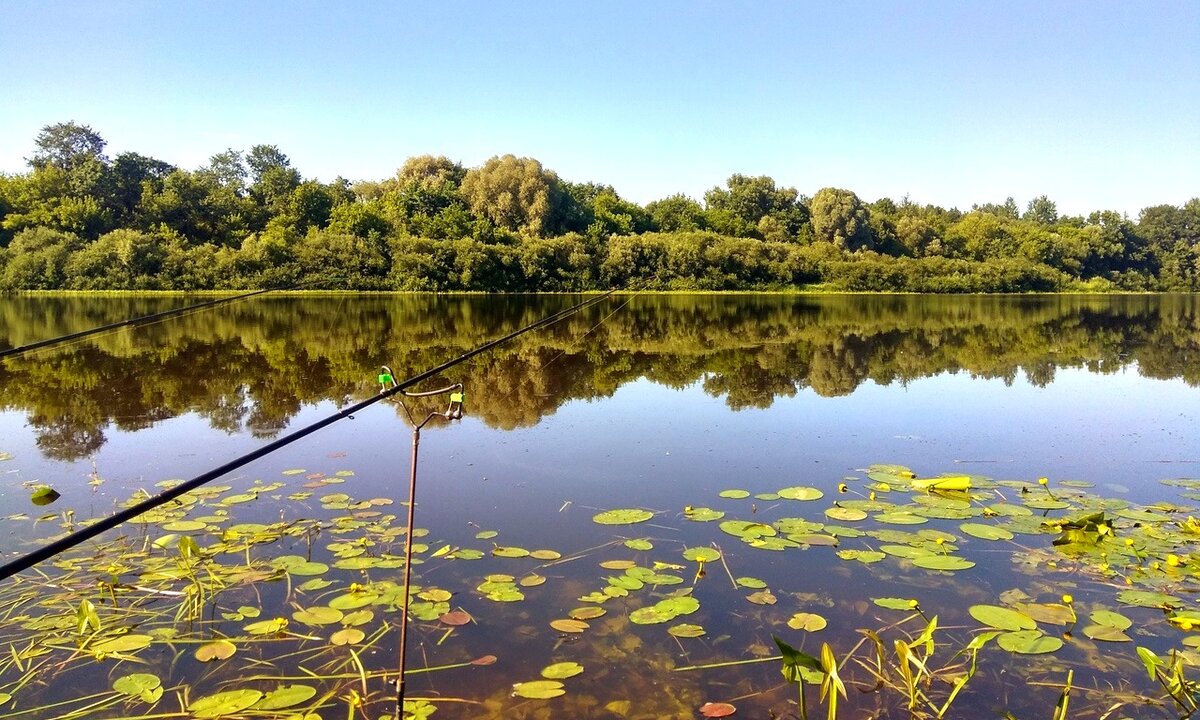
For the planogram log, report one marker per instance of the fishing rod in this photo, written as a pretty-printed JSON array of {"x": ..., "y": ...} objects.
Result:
[
  {"x": 143, "y": 320},
  {"x": 80, "y": 536}
]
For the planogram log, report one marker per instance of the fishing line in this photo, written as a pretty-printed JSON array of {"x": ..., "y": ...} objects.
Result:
[{"x": 80, "y": 536}]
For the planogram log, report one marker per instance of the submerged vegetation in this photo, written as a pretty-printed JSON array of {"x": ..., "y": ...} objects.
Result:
[
  {"x": 1027, "y": 597},
  {"x": 80, "y": 220}
]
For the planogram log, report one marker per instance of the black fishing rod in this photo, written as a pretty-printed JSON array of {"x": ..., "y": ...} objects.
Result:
[
  {"x": 80, "y": 536},
  {"x": 133, "y": 322}
]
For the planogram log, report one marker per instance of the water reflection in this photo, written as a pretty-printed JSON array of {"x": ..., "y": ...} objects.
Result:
[{"x": 253, "y": 365}]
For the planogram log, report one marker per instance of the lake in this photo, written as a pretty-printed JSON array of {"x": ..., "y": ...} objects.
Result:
[{"x": 773, "y": 461}]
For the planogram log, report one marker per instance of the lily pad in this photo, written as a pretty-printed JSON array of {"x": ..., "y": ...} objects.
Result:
[
  {"x": 224, "y": 703},
  {"x": 986, "y": 532},
  {"x": 215, "y": 650},
  {"x": 685, "y": 630},
  {"x": 123, "y": 644},
  {"x": 1028, "y": 642},
  {"x": 347, "y": 636},
  {"x": 800, "y": 492},
  {"x": 1106, "y": 633},
  {"x": 569, "y": 625},
  {"x": 639, "y": 544},
  {"x": 703, "y": 514},
  {"x": 627, "y": 516},
  {"x": 751, "y": 582},
  {"x": 539, "y": 689},
  {"x": 1002, "y": 618},
  {"x": 810, "y": 622},
  {"x": 136, "y": 684},
  {"x": 893, "y": 603},
  {"x": 587, "y": 613},
  {"x": 562, "y": 670},
  {"x": 717, "y": 710},
  {"x": 701, "y": 554},
  {"x": 943, "y": 562},
  {"x": 1111, "y": 619},
  {"x": 734, "y": 494},
  {"x": 845, "y": 514},
  {"x": 285, "y": 696}
]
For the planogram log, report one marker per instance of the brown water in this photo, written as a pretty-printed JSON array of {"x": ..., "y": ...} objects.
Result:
[{"x": 655, "y": 402}]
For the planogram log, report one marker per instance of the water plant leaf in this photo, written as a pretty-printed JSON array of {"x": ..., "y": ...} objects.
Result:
[
  {"x": 686, "y": 630},
  {"x": 1106, "y": 633},
  {"x": 752, "y": 583},
  {"x": 810, "y": 622},
  {"x": 545, "y": 554},
  {"x": 746, "y": 529},
  {"x": 215, "y": 650},
  {"x": 626, "y": 516},
  {"x": 894, "y": 603},
  {"x": 319, "y": 615},
  {"x": 306, "y": 569},
  {"x": 266, "y": 627},
  {"x": 800, "y": 492},
  {"x": 136, "y": 684},
  {"x": 617, "y": 564},
  {"x": 862, "y": 556},
  {"x": 845, "y": 514},
  {"x": 562, "y": 670},
  {"x": 1052, "y": 613},
  {"x": 1001, "y": 618},
  {"x": 509, "y": 552},
  {"x": 1111, "y": 619},
  {"x": 762, "y": 597},
  {"x": 717, "y": 710},
  {"x": 486, "y": 534},
  {"x": 224, "y": 703},
  {"x": 900, "y": 518},
  {"x": 347, "y": 636},
  {"x": 184, "y": 526},
  {"x": 123, "y": 644},
  {"x": 1149, "y": 599},
  {"x": 639, "y": 544},
  {"x": 569, "y": 625},
  {"x": 986, "y": 532},
  {"x": 586, "y": 613},
  {"x": 539, "y": 689},
  {"x": 532, "y": 580},
  {"x": 701, "y": 554},
  {"x": 285, "y": 696},
  {"x": 949, "y": 563},
  {"x": 734, "y": 494},
  {"x": 43, "y": 495},
  {"x": 455, "y": 618},
  {"x": 1028, "y": 642},
  {"x": 702, "y": 514}
]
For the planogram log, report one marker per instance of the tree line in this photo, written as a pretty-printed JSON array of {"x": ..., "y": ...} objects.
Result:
[{"x": 81, "y": 220}]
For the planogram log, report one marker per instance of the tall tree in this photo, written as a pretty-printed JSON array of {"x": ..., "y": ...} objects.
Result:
[
  {"x": 516, "y": 194},
  {"x": 839, "y": 217},
  {"x": 66, "y": 146},
  {"x": 752, "y": 198},
  {"x": 1041, "y": 210}
]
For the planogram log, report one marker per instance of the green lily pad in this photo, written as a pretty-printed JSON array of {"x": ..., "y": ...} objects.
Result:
[
  {"x": 1111, "y": 619},
  {"x": 626, "y": 516},
  {"x": 136, "y": 684},
  {"x": 266, "y": 627},
  {"x": 734, "y": 494},
  {"x": 747, "y": 529},
  {"x": 845, "y": 514},
  {"x": 184, "y": 526},
  {"x": 347, "y": 636},
  {"x": 701, "y": 554},
  {"x": 1106, "y": 633},
  {"x": 893, "y": 603},
  {"x": 224, "y": 703},
  {"x": 703, "y": 514},
  {"x": 639, "y": 544},
  {"x": 215, "y": 650},
  {"x": 516, "y": 552},
  {"x": 948, "y": 563},
  {"x": 810, "y": 622},
  {"x": 539, "y": 689},
  {"x": 44, "y": 495},
  {"x": 285, "y": 696},
  {"x": 123, "y": 644},
  {"x": 318, "y": 616},
  {"x": 586, "y": 613},
  {"x": 985, "y": 532},
  {"x": 1002, "y": 618},
  {"x": 685, "y": 630},
  {"x": 900, "y": 518},
  {"x": 1149, "y": 599},
  {"x": 800, "y": 493},
  {"x": 562, "y": 670},
  {"x": 1028, "y": 642},
  {"x": 751, "y": 582},
  {"x": 862, "y": 556}
]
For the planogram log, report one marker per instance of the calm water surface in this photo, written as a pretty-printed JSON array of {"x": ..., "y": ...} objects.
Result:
[{"x": 655, "y": 402}]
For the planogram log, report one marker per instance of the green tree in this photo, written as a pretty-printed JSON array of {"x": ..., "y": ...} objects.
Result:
[
  {"x": 676, "y": 213},
  {"x": 1041, "y": 210},
  {"x": 37, "y": 258},
  {"x": 67, "y": 146},
  {"x": 750, "y": 199},
  {"x": 516, "y": 194},
  {"x": 839, "y": 217}
]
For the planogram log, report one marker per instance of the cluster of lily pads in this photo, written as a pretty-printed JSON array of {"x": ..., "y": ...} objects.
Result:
[{"x": 199, "y": 612}]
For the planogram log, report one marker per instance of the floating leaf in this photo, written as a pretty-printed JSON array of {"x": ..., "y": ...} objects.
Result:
[
  {"x": 1053, "y": 613},
  {"x": 684, "y": 630},
  {"x": 734, "y": 494},
  {"x": 1106, "y": 633},
  {"x": 224, "y": 703},
  {"x": 318, "y": 616},
  {"x": 184, "y": 526},
  {"x": 285, "y": 696},
  {"x": 486, "y": 534},
  {"x": 900, "y": 518},
  {"x": 44, "y": 495},
  {"x": 347, "y": 636},
  {"x": 845, "y": 514},
  {"x": 294, "y": 471},
  {"x": 539, "y": 689},
  {"x": 639, "y": 544},
  {"x": 985, "y": 532},
  {"x": 863, "y": 556},
  {"x": 308, "y": 568},
  {"x": 893, "y": 603},
  {"x": 943, "y": 562},
  {"x": 569, "y": 625},
  {"x": 266, "y": 627},
  {"x": 455, "y": 618},
  {"x": 136, "y": 684},
  {"x": 215, "y": 650},
  {"x": 1001, "y": 618},
  {"x": 701, "y": 554},
  {"x": 617, "y": 564},
  {"x": 545, "y": 554},
  {"x": 562, "y": 670},
  {"x": 626, "y": 516},
  {"x": 762, "y": 597},
  {"x": 702, "y": 514},
  {"x": 532, "y": 580},
  {"x": 123, "y": 644},
  {"x": 510, "y": 552},
  {"x": 717, "y": 710},
  {"x": 801, "y": 493},
  {"x": 1148, "y": 598},
  {"x": 810, "y": 622},
  {"x": 1111, "y": 619},
  {"x": 1028, "y": 642},
  {"x": 586, "y": 613}
]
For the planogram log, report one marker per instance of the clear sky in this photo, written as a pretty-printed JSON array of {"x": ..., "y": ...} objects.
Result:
[{"x": 1095, "y": 103}]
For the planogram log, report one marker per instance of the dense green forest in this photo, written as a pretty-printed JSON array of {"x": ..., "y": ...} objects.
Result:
[{"x": 81, "y": 220}]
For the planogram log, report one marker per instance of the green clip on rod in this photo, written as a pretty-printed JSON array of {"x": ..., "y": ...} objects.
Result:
[{"x": 453, "y": 412}]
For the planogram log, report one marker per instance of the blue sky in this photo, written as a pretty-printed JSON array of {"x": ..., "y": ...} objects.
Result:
[{"x": 1096, "y": 104}]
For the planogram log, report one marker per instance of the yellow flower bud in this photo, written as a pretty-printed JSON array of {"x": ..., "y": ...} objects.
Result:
[
  {"x": 843, "y": 488},
  {"x": 1128, "y": 542},
  {"x": 1173, "y": 560},
  {"x": 1067, "y": 599},
  {"x": 872, "y": 496},
  {"x": 912, "y": 603},
  {"x": 1043, "y": 481}
]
